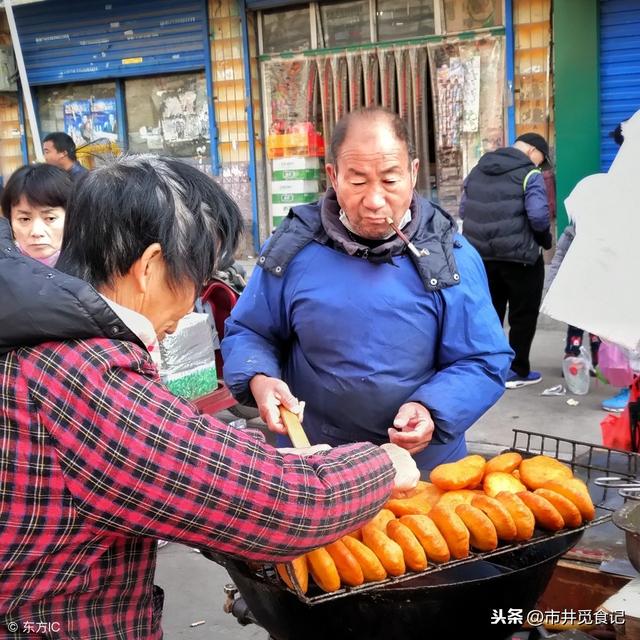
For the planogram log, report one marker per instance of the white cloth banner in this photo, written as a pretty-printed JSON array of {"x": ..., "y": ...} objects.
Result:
[{"x": 596, "y": 288}]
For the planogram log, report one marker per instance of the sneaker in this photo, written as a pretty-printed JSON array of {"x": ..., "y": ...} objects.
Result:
[
  {"x": 618, "y": 403},
  {"x": 514, "y": 381}
]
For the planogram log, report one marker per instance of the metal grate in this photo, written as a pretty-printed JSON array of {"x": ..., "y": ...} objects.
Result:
[{"x": 588, "y": 461}]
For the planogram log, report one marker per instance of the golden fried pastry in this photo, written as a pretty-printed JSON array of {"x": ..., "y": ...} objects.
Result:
[
  {"x": 348, "y": 567},
  {"x": 522, "y": 516},
  {"x": 505, "y": 462},
  {"x": 428, "y": 536},
  {"x": 534, "y": 472},
  {"x": 546, "y": 515},
  {"x": 498, "y": 481},
  {"x": 381, "y": 519},
  {"x": 414, "y": 554},
  {"x": 499, "y": 516},
  {"x": 482, "y": 533},
  {"x": 569, "y": 512},
  {"x": 300, "y": 571},
  {"x": 576, "y": 491},
  {"x": 371, "y": 566},
  {"x": 454, "y": 498},
  {"x": 464, "y": 473},
  {"x": 452, "y": 529},
  {"x": 418, "y": 501},
  {"x": 323, "y": 569},
  {"x": 389, "y": 552}
]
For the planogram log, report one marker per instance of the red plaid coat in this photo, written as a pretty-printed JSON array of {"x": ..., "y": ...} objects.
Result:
[{"x": 98, "y": 459}]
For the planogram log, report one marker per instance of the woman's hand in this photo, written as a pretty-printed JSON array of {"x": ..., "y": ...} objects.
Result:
[{"x": 407, "y": 473}]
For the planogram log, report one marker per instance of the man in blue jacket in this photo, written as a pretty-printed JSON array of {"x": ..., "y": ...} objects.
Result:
[
  {"x": 385, "y": 338},
  {"x": 506, "y": 218}
]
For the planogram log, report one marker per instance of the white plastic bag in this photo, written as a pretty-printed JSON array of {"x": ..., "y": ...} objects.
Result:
[{"x": 576, "y": 372}]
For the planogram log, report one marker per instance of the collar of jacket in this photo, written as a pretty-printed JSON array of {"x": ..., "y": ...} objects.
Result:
[
  {"x": 41, "y": 304},
  {"x": 431, "y": 229}
]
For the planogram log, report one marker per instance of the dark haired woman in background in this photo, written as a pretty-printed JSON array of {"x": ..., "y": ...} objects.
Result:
[{"x": 34, "y": 201}]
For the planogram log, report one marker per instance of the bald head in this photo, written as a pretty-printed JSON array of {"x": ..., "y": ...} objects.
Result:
[{"x": 365, "y": 118}]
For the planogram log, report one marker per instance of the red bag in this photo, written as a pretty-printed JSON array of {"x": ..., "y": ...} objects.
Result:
[{"x": 623, "y": 431}]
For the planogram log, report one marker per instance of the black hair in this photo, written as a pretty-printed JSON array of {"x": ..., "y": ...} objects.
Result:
[
  {"x": 41, "y": 184},
  {"x": 395, "y": 122},
  {"x": 62, "y": 142},
  {"x": 617, "y": 135},
  {"x": 118, "y": 210}
]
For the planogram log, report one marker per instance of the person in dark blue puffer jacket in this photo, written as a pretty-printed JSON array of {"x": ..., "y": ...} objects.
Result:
[
  {"x": 384, "y": 338},
  {"x": 506, "y": 218}
]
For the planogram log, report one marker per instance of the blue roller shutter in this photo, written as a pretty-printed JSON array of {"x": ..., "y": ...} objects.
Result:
[
  {"x": 619, "y": 69},
  {"x": 75, "y": 40}
]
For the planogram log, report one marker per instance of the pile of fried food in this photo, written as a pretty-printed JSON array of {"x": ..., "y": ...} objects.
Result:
[{"x": 469, "y": 504}]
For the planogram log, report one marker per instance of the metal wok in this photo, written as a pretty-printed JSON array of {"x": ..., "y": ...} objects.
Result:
[{"x": 453, "y": 603}]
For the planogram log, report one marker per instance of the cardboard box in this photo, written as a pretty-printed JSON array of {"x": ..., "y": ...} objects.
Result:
[
  {"x": 294, "y": 198},
  {"x": 281, "y": 209},
  {"x": 276, "y": 220},
  {"x": 296, "y": 174},
  {"x": 295, "y": 186},
  {"x": 294, "y": 163}
]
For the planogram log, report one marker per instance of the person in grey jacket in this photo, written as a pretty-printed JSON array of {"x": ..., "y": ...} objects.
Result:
[{"x": 575, "y": 335}]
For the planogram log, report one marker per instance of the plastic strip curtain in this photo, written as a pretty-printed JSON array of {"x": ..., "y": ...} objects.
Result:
[{"x": 468, "y": 87}]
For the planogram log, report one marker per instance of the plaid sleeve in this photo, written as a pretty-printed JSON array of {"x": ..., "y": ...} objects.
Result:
[{"x": 138, "y": 461}]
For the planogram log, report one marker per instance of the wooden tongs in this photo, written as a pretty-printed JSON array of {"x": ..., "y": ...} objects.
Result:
[
  {"x": 294, "y": 428},
  {"x": 299, "y": 440}
]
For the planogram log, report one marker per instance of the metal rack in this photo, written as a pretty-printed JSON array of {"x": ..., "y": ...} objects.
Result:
[{"x": 587, "y": 461}]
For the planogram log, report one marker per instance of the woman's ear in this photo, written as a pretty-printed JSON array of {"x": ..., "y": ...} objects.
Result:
[{"x": 147, "y": 266}]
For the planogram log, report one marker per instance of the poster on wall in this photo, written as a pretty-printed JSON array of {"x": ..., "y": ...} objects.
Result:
[
  {"x": 288, "y": 85},
  {"x": 77, "y": 120},
  {"x": 468, "y": 88},
  {"x": 103, "y": 115},
  {"x": 182, "y": 118}
]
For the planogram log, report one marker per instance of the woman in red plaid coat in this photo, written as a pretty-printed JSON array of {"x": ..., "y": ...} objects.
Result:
[{"x": 97, "y": 459}]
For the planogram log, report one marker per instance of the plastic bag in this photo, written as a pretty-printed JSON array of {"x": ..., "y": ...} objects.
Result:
[
  {"x": 614, "y": 365},
  {"x": 576, "y": 372},
  {"x": 188, "y": 357},
  {"x": 623, "y": 431}
]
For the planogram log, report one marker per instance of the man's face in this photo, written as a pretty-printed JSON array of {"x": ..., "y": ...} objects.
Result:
[
  {"x": 52, "y": 155},
  {"x": 373, "y": 178}
]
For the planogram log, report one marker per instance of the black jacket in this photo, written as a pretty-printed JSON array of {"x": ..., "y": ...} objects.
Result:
[
  {"x": 495, "y": 217},
  {"x": 39, "y": 304}
]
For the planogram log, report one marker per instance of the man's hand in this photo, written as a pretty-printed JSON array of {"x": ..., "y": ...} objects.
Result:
[
  {"x": 412, "y": 427},
  {"x": 269, "y": 394},
  {"x": 407, "y": 473}
]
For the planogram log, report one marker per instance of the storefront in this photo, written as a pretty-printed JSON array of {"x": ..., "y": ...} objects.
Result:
[
  {"x": 159, "y": 76},
  {"x": 132, "y": 74},
  {"x": 440, "y": 64},
  {"x": 175, "y": 77}
]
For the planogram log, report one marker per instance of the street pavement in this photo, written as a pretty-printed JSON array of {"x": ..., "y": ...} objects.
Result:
[{"x": 194, "y": 586}]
